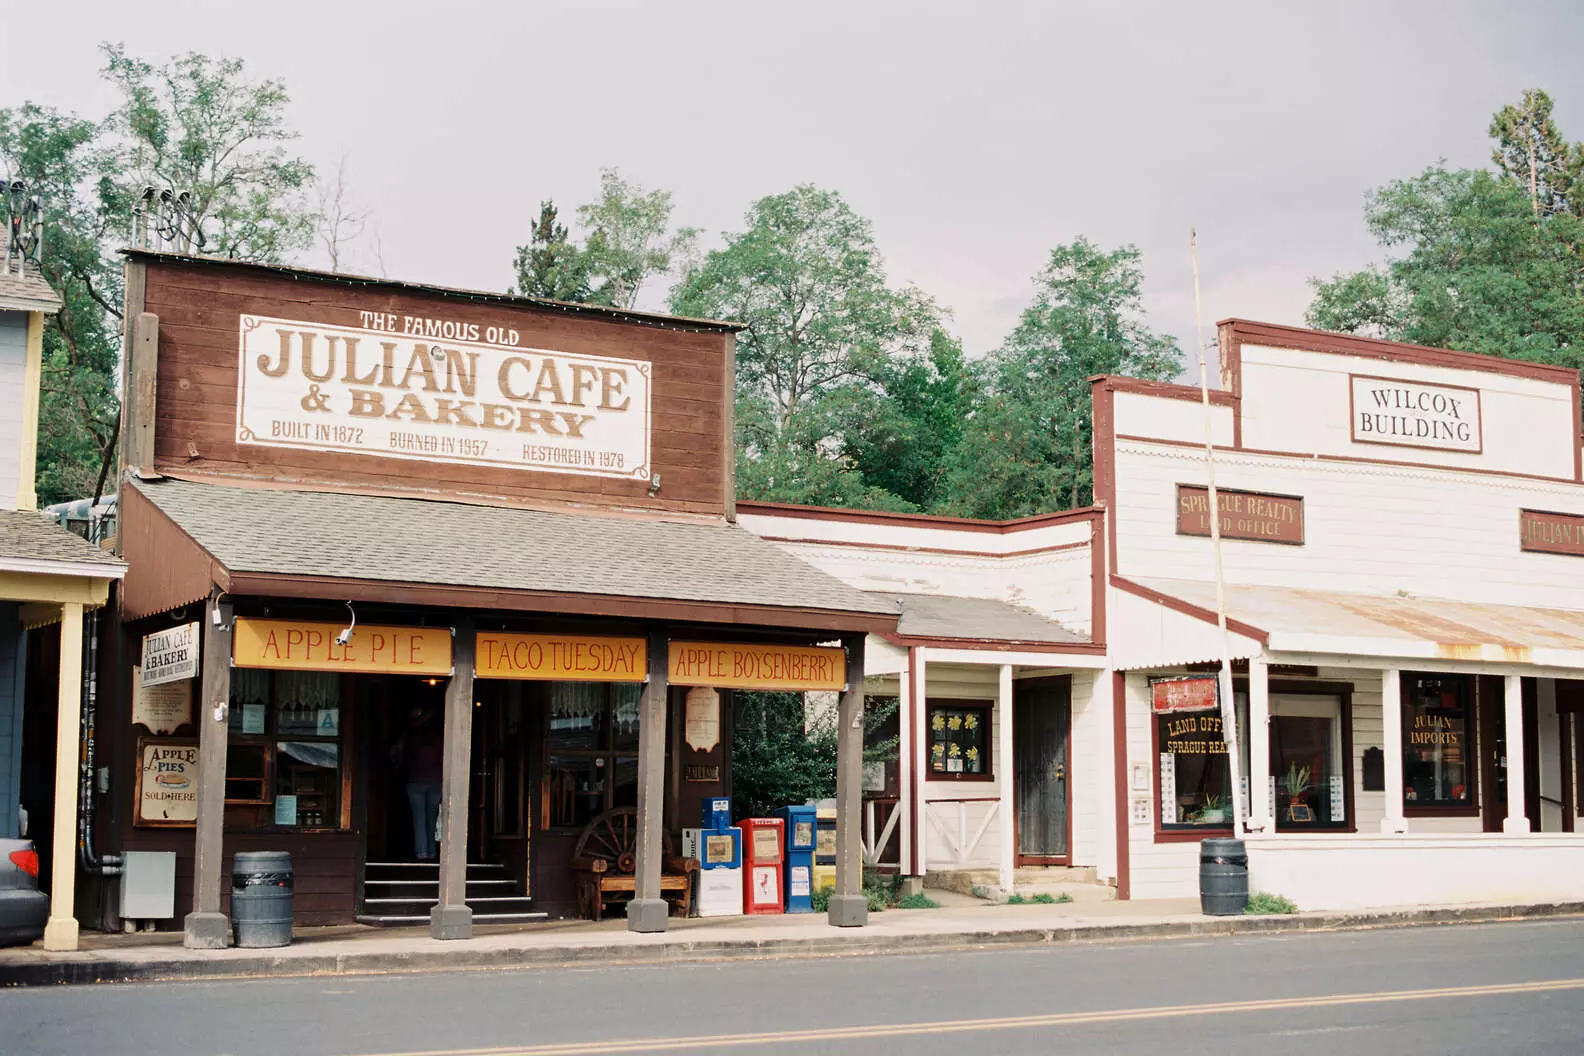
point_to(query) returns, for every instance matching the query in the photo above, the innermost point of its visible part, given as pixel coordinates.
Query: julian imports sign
(1551, 533)
(452, 395)
(1411, 414)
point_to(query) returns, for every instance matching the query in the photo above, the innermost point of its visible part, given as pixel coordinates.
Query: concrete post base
(1511, 824)
(849, 911)
(450, 922)
(60, 934)
(911, 885)
(206, 931)
(648, 914)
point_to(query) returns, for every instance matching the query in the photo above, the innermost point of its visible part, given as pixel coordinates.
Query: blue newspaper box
(801, 834)
(717, 813)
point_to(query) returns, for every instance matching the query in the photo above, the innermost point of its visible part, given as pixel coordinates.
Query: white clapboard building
(1403, 546)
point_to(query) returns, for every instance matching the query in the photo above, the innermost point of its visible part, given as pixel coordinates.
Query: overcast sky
(974, 135)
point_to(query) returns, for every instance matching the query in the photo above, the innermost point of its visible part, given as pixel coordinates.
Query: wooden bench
(606, 856)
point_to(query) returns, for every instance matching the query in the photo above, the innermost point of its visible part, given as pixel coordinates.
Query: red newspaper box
(763, 850)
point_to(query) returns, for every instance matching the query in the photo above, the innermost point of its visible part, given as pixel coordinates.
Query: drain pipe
(110, 864)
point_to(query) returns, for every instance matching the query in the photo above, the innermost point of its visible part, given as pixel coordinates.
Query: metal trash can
(261, 898)
(1223, 878)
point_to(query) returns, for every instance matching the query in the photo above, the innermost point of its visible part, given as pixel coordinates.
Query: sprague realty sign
(1412, 414)
(440, 391)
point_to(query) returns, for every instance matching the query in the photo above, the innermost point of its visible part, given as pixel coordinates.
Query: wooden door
(1041, 728)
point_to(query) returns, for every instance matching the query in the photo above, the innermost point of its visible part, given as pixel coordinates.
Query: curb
(110, 970)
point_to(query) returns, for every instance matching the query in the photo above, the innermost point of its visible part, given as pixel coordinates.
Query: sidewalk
(959, 923)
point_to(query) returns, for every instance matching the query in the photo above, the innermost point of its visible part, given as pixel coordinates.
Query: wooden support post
(1260, 818)
(60, 932)
(206, 928)
(1392, 747)
(1517, 819)
(849, 907)
(451, 918)
(647, 911)
(1006, 827)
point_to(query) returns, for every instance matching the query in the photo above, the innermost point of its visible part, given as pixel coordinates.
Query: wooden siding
(166, 569)
(198, 306)
(13, 373)
(324, 870)
(13, 660)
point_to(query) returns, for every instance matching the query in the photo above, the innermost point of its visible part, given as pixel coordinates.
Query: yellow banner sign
(562, 657)
(295, 646)
(738, 665)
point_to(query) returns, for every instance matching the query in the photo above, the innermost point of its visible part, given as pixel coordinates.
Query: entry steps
(401, 894)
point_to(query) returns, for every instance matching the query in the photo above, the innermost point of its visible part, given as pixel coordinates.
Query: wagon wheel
(612, 837)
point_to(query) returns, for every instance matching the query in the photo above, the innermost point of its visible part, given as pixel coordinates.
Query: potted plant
(1213, 810)
(1297, 785)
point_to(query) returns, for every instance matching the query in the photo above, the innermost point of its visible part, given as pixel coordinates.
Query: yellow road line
(955, 1026)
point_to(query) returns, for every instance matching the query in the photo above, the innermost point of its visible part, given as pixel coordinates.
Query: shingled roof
(986, 619)
(396, 540)
(27, 293)
(31, 542)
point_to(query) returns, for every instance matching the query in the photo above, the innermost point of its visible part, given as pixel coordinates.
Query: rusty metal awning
(1292, 620)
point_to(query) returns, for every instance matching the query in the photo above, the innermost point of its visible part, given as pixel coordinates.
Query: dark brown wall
(199, 304)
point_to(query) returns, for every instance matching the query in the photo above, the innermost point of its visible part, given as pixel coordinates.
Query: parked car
(23, 907)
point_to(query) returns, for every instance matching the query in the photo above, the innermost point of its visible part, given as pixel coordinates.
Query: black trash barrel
(261, 898)
(1223, 878)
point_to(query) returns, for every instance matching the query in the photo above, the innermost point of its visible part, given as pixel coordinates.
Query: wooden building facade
(394, 510)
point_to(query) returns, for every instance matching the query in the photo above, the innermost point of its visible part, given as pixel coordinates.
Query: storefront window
(1308, 780)
(959, 740)
(284, 748)
(1195, 778)
(591, 764)
(1438, 720)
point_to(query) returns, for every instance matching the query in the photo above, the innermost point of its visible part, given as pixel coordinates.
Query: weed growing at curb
(918, 901)
(1015, 899)
(1264, 904)
(1045, 898)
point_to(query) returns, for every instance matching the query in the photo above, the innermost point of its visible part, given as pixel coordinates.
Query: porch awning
(1290, 620)
(181, 536)
(986, 622)
(32, 543)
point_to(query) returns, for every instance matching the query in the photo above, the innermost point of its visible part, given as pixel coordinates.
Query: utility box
(798, 880)
(764, 857)
(148, 885)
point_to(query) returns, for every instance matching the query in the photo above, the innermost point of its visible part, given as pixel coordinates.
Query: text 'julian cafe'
(464, 595)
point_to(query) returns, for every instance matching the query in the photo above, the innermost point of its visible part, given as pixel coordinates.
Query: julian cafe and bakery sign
(443, 391)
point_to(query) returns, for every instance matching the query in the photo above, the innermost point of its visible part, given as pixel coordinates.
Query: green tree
(550, 265)
(1482, 261)
(628, 239)
(823, 329)
(1028, 447)
(899, 431)
(1532, 152)
(194, 125)
(59, 157)
(1477, 269)
(199, 126)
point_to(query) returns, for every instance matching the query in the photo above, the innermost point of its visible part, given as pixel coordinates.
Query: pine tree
(550, 266)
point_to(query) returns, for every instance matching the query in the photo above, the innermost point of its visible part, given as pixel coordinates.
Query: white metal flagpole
(1229, 728)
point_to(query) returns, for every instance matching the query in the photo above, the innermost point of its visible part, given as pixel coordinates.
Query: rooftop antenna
(1229, 728)
(24, 229)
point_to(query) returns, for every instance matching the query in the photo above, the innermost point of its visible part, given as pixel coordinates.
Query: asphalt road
(1500, 988)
